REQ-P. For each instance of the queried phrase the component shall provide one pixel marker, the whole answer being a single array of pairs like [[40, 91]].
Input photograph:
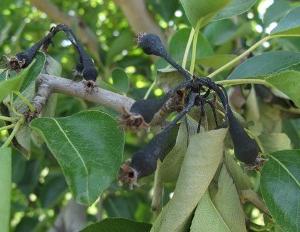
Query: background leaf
[[122, 42], [120, 80], [5, 188], [280, 188], [88, 146], [290, 24], [118, 225], [178, 44], [276, 11], [265, 64]]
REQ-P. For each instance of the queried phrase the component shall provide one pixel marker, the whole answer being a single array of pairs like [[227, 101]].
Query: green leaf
[[5, 188], [88, 146], [23, 79], [202, 9], [34, 70], [124, 41], [287, 82], [200, 163], [220, 32], [235, 7], [290, 127], [178, 44], [118, 225], [280, 188], [120, 80], [272, 142], [276, 11], [169, 169], [207, 217], [289, 25], [228, 203], [265, 64], [240, 177]]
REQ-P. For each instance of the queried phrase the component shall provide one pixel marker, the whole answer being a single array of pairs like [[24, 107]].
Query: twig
[[52, 84]]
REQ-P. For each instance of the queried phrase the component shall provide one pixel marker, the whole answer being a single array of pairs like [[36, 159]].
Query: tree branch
[[85, 34], [52, 84], [139, 18]]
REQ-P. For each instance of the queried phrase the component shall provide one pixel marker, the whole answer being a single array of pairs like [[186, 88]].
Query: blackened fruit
[[148, 108], [245, 148], [151, 44], [145, 160], [28, 55], [89, 73]]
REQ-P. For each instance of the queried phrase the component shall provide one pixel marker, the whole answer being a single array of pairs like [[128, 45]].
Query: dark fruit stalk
[[86, 65], [27, 56], [245, 148]]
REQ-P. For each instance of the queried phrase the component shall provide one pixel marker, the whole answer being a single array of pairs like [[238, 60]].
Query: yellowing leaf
[[227, 202], [200, 163], [207, 218]]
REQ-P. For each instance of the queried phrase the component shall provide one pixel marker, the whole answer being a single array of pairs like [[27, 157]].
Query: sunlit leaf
[[88, 146], [235, 7], [276, 11], [280, 188], [202, 9], [290, 24]]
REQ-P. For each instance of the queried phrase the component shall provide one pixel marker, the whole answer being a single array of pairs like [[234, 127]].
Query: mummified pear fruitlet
[[151, 44], [144, 161], [245, 148]]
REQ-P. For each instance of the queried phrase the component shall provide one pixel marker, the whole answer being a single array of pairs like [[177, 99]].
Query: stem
[[154, 71], [194, 50], [7, 127], [13, 133], [243, 81], [8, 119], [238, 58], [253, 47], [187, 48]]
